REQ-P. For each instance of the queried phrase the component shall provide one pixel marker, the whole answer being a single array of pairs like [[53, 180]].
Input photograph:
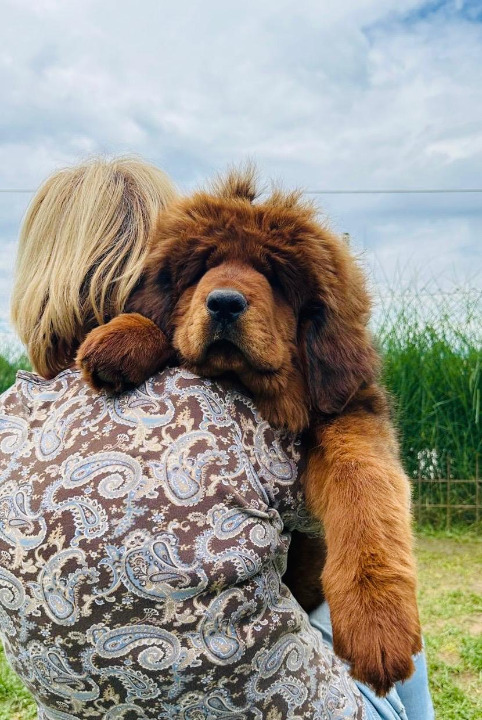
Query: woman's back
[[142, 541]]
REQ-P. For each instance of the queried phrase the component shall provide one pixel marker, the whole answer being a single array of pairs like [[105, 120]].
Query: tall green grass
[[433, 368], [431, 345]]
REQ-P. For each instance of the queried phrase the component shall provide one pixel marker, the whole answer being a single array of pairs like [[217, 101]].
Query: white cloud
[[344, 93]]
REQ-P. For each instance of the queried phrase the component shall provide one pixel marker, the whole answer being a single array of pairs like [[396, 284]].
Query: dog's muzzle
[[226, 305]]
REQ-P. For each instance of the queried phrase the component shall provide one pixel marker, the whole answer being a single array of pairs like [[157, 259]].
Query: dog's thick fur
[[303, 350]]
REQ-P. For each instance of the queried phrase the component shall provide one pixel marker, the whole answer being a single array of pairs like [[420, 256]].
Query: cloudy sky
[[323, 94]]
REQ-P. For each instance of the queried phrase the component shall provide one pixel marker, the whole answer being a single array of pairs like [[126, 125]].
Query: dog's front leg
[[123, 353], [356, 486]]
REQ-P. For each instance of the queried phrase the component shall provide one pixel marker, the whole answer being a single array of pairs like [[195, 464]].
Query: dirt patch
[[469, 683], [475, 625], [449, 657]]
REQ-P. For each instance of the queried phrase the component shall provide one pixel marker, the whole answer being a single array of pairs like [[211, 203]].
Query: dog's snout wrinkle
[[226, 305]]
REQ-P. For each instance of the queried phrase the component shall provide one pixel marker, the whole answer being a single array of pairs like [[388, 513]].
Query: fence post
[[419, 506], [477, 491], [449, 509]]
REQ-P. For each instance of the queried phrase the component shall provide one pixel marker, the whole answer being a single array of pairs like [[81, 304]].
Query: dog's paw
[[123, 353], [377, 636]]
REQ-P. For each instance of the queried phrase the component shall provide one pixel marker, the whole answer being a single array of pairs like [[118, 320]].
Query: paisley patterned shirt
[[142, 543]]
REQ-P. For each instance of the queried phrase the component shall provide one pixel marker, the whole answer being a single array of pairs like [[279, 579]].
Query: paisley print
[[58, 589], [14, 432], [52, 671], [12, 595], [20, 526], [157, 571], [163, 647], [142, 543]]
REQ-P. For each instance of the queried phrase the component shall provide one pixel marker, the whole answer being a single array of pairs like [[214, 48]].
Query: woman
[[143, 538]]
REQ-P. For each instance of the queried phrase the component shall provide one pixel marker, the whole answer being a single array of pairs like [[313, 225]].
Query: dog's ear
[[336, 345], [339, 359], [154, 297]]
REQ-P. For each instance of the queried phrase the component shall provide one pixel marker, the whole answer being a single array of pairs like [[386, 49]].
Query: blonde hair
[[82, 248]]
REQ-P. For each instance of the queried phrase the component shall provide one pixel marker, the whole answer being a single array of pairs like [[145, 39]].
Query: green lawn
[[450, 581], [450, 596]]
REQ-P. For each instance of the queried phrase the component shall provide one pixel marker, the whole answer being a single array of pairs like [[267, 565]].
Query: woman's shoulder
[[30, 388], [173, 403], [173, 392], [170, 381]]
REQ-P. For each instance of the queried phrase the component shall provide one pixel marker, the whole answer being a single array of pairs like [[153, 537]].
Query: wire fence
[[447, 503], [459, 310]]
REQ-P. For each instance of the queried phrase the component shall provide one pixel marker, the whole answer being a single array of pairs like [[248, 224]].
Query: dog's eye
[[193, 277], [268, 269], [164, 278], [275, 282], [194, 268], [274, 277]]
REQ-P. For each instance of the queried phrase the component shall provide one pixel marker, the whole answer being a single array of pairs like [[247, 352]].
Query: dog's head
[[262, 290]]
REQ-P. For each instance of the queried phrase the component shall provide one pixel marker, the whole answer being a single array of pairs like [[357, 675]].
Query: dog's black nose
[[226, 305]]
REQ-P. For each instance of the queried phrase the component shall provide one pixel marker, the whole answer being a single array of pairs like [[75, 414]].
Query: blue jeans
[[406, 701]]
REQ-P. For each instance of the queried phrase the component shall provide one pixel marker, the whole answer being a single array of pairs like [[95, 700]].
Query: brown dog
[[261, 290]]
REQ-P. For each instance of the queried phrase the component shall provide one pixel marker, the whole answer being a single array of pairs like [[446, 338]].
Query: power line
[[394, 192], [405, 191]]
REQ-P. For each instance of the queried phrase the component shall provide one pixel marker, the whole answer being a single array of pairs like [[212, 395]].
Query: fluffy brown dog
[[261, 290]]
